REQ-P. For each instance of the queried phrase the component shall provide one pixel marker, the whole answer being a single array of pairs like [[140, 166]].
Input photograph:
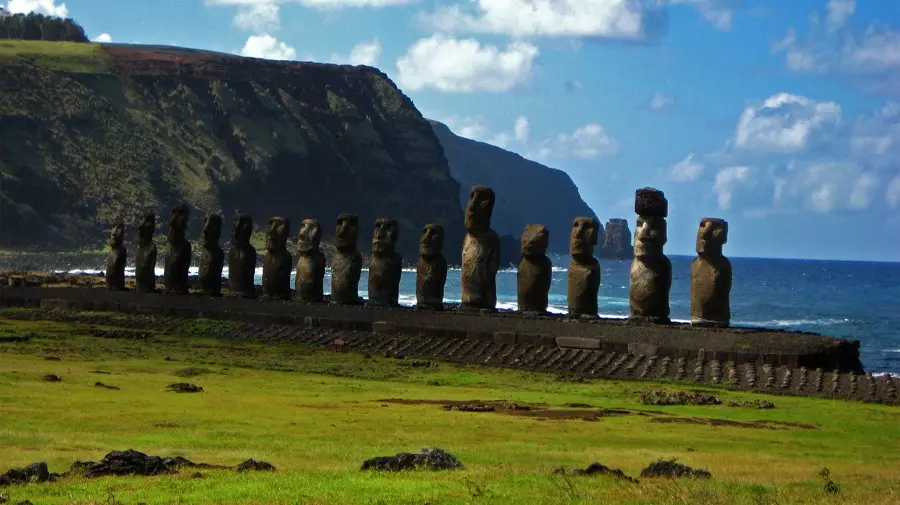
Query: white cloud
[[268, 47], [726, 180], [839, 11], [861, 195], [660, 101], [521, 129], [687, 169], [259, 15], [784, 123], [364, 53], [47, 7], [892, 195], [718, 13], [104, 38], [586, 142], [464, 66]]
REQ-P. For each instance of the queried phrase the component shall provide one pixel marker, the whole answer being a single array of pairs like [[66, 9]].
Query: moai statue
[[212, 257], [242, 258], [481, 252], [651, 270], [385, 265], [115, 262], [711, 276], [583, 280], [431, 270], [276, 277], [310, 263], [178, 258], [346, 262], [535, 270], [145, 260]]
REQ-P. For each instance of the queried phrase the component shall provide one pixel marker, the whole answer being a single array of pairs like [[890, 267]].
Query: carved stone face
[[178, 222], [117, 234], [649, 236], [584, 236], [277, 233], [479, 209], [432, 241], [384, 239], [711, 236], [242, 230], [212, 229], [535, 240], [310, 236], [347, 232], [147, 227]]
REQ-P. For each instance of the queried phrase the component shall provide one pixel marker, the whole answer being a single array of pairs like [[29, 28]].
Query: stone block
[[384, 328], [504, 338], [645, 349], [54, 304], [578, 343]]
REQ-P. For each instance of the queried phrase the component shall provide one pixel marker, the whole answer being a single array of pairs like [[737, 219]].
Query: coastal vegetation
[[34, 26]]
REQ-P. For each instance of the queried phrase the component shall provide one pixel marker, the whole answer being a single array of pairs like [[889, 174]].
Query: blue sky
[[781, 116]]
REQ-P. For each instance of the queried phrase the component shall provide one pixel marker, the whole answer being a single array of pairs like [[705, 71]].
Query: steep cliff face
[[617, 240], [94, 132], [527, 192]]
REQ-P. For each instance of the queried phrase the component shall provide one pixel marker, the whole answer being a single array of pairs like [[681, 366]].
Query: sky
[[780, 116]]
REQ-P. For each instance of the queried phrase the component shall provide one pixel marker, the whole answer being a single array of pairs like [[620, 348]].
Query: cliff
[[527, 192], [91, 132], [617, 240]]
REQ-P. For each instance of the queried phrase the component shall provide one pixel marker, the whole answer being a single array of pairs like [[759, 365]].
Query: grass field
[[67, 56], [317, 415]]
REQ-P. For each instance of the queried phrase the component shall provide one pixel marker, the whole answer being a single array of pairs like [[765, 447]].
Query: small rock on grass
[[429, 458], [106, 386], [671, 469], [184, 387], [598, 469], [51, 378]]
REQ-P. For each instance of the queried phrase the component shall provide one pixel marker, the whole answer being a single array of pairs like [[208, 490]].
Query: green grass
[[316, 415], [66, 56]]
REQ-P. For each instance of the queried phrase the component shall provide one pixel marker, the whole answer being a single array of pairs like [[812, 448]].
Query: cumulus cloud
[[726, 181], [47, 7], [718, 13], [364, 53], [454, 65], [104, 38], [861, 194], [268, 47], [586, 142], [892, 195], [661, 102], [784, 123], [259, 15], [687, 169], [839, 11]]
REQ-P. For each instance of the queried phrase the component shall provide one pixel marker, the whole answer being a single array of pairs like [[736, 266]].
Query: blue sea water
[[857, 300]]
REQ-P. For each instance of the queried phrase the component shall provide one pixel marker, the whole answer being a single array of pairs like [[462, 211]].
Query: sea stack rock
[[118, 255], [310, 263], [385, 265], [145, 260], [583, 279], [535, 270], [481, 252], [242, 258], [212, 257], [346, 262], [711, 276], [617, 240], [651, 270], [276, 277], [431, 270], [178, 258]]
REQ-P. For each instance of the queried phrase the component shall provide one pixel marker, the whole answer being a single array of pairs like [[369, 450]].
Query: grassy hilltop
[[317, 414]]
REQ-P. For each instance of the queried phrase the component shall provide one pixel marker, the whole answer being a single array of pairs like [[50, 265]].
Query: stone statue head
[[711, 236], [584, 236], [146, 228], [479, 209], [277, 233], [346, 233], [649, 236], [212, 229], [384, 239], [535, 240], [117, 235], [242, 230], [178, 222], [310, 236], [432, 241]]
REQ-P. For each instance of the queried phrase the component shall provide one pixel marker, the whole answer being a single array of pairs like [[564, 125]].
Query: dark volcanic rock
[[51, 378], [678, 398], [671, 469], [617, 240], [428, 458], [251, 465], [599, 469], [35, 472], [184, 387]]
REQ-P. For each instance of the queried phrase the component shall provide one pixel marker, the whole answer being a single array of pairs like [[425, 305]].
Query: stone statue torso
[[276, 278], [711, 280], [177, 267], [310, 276], [534, 277], [384, 279], [242, 269], [145, 268], [212, 261], [651, 279], [346, 269], [480, 262], [582, 287], [115, 268], [431, 277]]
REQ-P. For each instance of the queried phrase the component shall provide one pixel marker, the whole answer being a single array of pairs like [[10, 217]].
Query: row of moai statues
[[651, 270]]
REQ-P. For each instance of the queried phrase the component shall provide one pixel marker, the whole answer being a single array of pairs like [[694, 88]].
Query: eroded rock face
[[583, 278], [535, 270], [310, 263], [385, 265], [212, 257], [711, 276], [145, 260], [431, 269], [651, 270], [481, 252], [242, 257], [276, 277], [178, 258], [346, 262], [617, 240], [115, 262]]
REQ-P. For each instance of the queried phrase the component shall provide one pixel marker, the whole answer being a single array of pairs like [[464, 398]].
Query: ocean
[[858, 300]]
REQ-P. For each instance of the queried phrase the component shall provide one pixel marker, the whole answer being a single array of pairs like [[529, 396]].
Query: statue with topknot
[[310, 263], [242, 258], [583, 276], [431, 269], [145, 259], [212, 257], [711, 276], [277, 265], [346, 262], [651, 270], [385, 265], [178, 258], [481, 252], [535, 270], [115, 262]]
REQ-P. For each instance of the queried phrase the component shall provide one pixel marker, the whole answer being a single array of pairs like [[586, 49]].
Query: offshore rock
[[242, 257], [308, 286], [346, 262], [431, 269], [711, 276], [118, 256], [583, 277], [535, 270], [145, 260], [617, 240], [276, 278], [385, 265], [212, 257], [481, 252]]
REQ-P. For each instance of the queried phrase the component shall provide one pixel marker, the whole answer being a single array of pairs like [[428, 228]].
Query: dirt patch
[[428, 458], [106, 386], [184, 387], [533, 410], [598, 469], [707, 421], [672, 470]]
